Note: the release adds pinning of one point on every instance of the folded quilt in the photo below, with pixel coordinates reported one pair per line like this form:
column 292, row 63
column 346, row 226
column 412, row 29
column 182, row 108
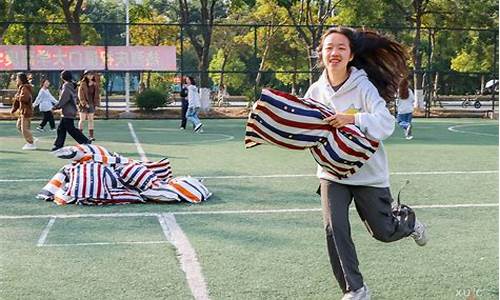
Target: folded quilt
column 97, row 176
column 286, row 121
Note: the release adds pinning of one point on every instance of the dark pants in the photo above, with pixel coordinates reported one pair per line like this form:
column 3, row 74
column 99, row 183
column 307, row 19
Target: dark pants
column 48, row 117
column 184, row 103
column 68, row 125
column 374, row 208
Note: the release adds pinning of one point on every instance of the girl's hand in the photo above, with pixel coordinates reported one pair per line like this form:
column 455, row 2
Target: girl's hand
column 340, row 120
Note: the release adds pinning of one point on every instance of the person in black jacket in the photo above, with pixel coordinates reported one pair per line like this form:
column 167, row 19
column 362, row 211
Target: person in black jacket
column 67, row 102
column 184, row 102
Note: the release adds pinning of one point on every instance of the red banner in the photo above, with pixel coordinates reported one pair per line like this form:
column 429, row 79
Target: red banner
column 120, row 58
column 66, row 57
column 161, row 58
column 13, row 57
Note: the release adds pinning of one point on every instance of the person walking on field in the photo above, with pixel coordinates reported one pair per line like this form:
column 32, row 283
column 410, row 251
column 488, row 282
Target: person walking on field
column 88, row 99
column 67, row 102
column 362, row 70
column 184, row 104
column 405, row 108
column 23, row 103
column 194, row 104
column 45, row 101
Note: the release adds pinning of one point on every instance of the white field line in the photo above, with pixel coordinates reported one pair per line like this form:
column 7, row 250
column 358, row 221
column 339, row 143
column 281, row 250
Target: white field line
column 293, row 175
column 186, row 255
column 226, row 137
column 141, row 152
column 106, row 243
column 454, row 129
column 221, row 212
column 175, row 235
column 45, row 232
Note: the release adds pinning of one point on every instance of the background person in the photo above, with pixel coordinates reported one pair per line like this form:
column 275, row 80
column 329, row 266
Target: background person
column 194, row 104
column 45, row 102
column 88, row 100
column 404, row 104
column 184, row 103
column 23, row 104
column 67, row 102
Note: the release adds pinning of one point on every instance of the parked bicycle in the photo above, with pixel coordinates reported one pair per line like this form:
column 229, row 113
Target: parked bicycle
column 472, row 101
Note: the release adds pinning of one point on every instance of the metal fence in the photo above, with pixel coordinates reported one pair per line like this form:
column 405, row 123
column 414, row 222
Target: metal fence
column 237, row 50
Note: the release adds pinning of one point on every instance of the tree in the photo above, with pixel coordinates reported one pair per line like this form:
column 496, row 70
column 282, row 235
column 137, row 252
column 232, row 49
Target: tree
column 154, row 34
column 6, row 6
column 224, row 61
column 266, row 12
column 72, row 11
column 201, row 35
column 225, row 41
column 310, row 18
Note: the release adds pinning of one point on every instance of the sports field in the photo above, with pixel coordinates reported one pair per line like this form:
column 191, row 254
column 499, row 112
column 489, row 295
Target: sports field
column 260, row 236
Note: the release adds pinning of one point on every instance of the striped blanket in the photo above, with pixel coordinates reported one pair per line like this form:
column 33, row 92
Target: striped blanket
column 286, row 121
column 97, row 176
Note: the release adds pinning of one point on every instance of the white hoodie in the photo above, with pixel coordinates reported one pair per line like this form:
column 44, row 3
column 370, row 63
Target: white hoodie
column 193, row 96
column 358, row 96
column 45, row 100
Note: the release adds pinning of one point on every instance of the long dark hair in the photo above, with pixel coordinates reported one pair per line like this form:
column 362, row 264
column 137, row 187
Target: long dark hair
column 22, row 77
column 403, row 89
column 84, row 78
column 383, row 59
column 193, row 82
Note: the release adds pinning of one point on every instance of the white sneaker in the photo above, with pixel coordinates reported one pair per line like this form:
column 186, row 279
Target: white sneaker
column 408, row 131
column 420, row 233
column 362, row 293
column 409, row 137
column 29, row 146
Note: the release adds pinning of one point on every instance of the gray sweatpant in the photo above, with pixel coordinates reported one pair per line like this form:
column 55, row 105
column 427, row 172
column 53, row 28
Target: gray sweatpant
column 374, row 208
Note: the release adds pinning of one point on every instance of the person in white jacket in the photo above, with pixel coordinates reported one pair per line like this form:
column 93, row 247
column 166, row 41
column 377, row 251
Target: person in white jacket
column 404, row 106
column 45, row 101
column 362, row 70
column 194, row 104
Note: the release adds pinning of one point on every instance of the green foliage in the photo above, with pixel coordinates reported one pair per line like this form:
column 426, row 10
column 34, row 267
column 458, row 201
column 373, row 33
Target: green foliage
column 161, row 82
column 151, row 99
column 153, row 35
column 235, row 82
column 475, row 56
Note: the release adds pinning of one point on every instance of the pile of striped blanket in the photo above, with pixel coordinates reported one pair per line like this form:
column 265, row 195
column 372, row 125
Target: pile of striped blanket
column 284, row 120
column 97, row 176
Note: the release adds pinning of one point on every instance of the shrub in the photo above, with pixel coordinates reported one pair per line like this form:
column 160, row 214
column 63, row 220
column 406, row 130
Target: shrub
column 151, row 99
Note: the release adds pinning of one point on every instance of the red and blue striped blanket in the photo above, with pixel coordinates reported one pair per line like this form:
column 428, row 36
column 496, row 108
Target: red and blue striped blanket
column 98, row 177
column 284, row 120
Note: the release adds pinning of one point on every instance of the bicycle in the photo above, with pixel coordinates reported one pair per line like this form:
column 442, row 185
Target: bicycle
column 472, row 101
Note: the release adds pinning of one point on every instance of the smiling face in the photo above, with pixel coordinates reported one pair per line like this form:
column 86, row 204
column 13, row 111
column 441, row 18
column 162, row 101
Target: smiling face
column 336, row 52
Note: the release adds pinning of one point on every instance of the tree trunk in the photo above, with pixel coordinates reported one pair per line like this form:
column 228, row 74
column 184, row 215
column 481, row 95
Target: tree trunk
column 73, row 18
column 203, row 66
column 223, row 67
column 417, row 56
column 264, row 57
column 76, row 33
